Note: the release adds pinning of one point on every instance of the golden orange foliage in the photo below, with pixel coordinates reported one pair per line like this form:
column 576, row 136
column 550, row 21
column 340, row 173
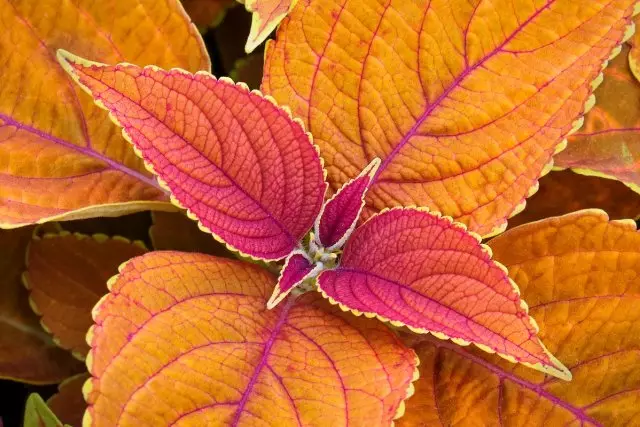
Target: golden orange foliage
column 580, row 274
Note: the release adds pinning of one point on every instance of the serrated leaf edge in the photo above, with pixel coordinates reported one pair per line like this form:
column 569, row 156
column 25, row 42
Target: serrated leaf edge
column 65, row 58
column 577, row 123
column 36, row 235
column 559, row 370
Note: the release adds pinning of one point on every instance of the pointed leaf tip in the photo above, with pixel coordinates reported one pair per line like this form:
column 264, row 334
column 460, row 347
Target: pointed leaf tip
column 418, row 269
column 580, row 274
column 60, row 157
column 465, row 120
column 296, row 270
column 200, row 322
column 340, row 214
column 241, row 165
column 267, row 14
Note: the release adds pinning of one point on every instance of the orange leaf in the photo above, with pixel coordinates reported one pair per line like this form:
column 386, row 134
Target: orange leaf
column 60, row 155
column 609, row 143
column 580, row 274
column 186, row 338
column 634, row 53
column 267, row 14
column 563, row 192
column 175, row 231
column 207, row 13
column 68, row 403
column 27, row 352
column 66, row 275
column 465, row 101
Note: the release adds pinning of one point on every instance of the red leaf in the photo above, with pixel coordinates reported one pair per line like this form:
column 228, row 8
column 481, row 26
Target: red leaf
column 339, row 214
column 296, row 270
column 418, row 269
column 242, row 166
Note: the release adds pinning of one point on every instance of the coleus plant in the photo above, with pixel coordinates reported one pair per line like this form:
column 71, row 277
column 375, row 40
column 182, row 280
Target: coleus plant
column 251, row 176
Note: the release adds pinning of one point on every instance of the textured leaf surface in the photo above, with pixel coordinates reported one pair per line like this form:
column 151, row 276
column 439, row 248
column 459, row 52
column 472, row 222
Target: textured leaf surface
column 464, row 101
column 609, row 142
column 67, row 275
column 207, row 13
column 295, row 270
column 240, row 164
column 634, row 53
column 175, row 231
column 191, row 334
column 340, row 213
column 563, row 192
column 267, row 14
column 60, row 156
column 38, row 414
column 27, row 352
column 423, row 271
column 68, row 403
column 580, row 275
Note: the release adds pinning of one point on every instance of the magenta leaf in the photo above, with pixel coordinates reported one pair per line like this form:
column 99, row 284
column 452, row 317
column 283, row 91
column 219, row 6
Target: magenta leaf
column 418, row 269
column 296, row 270
column 241, row 165
column 340, row 214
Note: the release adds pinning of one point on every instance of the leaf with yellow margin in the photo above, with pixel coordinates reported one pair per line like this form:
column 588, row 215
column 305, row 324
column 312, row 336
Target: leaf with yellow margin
column 267, row 14
column 239, row 164
column 68, row 403
column 609, row 142
column 634, row 53
column 563, row 192
column 186, row 338
column 580, row 274
column 38, row 414
column 465, row 101
column 66, row 276
column 60, row 155
column 27, row 352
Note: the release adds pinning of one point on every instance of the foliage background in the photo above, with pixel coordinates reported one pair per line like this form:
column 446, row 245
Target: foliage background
column 224, row 47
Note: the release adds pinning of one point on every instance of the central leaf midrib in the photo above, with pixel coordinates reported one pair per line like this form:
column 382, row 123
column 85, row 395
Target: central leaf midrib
column 462, row 315
column 455, row 84
column 200, row 153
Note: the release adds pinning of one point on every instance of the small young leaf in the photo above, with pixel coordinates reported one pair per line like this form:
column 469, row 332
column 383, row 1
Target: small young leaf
column 581, row 275
column 296, row 269
column 464, row 101
column 241, row 165
column 186, row 338
column 66, row 275
column 60, row 156
column 609, row 142
column 267, row 14
column 68, row 403
column 418, row 269
column 38, row 414
column 27, row 352
column 340, row 213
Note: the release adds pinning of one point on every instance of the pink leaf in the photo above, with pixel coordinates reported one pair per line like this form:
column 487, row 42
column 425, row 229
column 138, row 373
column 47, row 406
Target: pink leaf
column 296, row 270
column 419, row 269
column 241, row 165
column 339, row 215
